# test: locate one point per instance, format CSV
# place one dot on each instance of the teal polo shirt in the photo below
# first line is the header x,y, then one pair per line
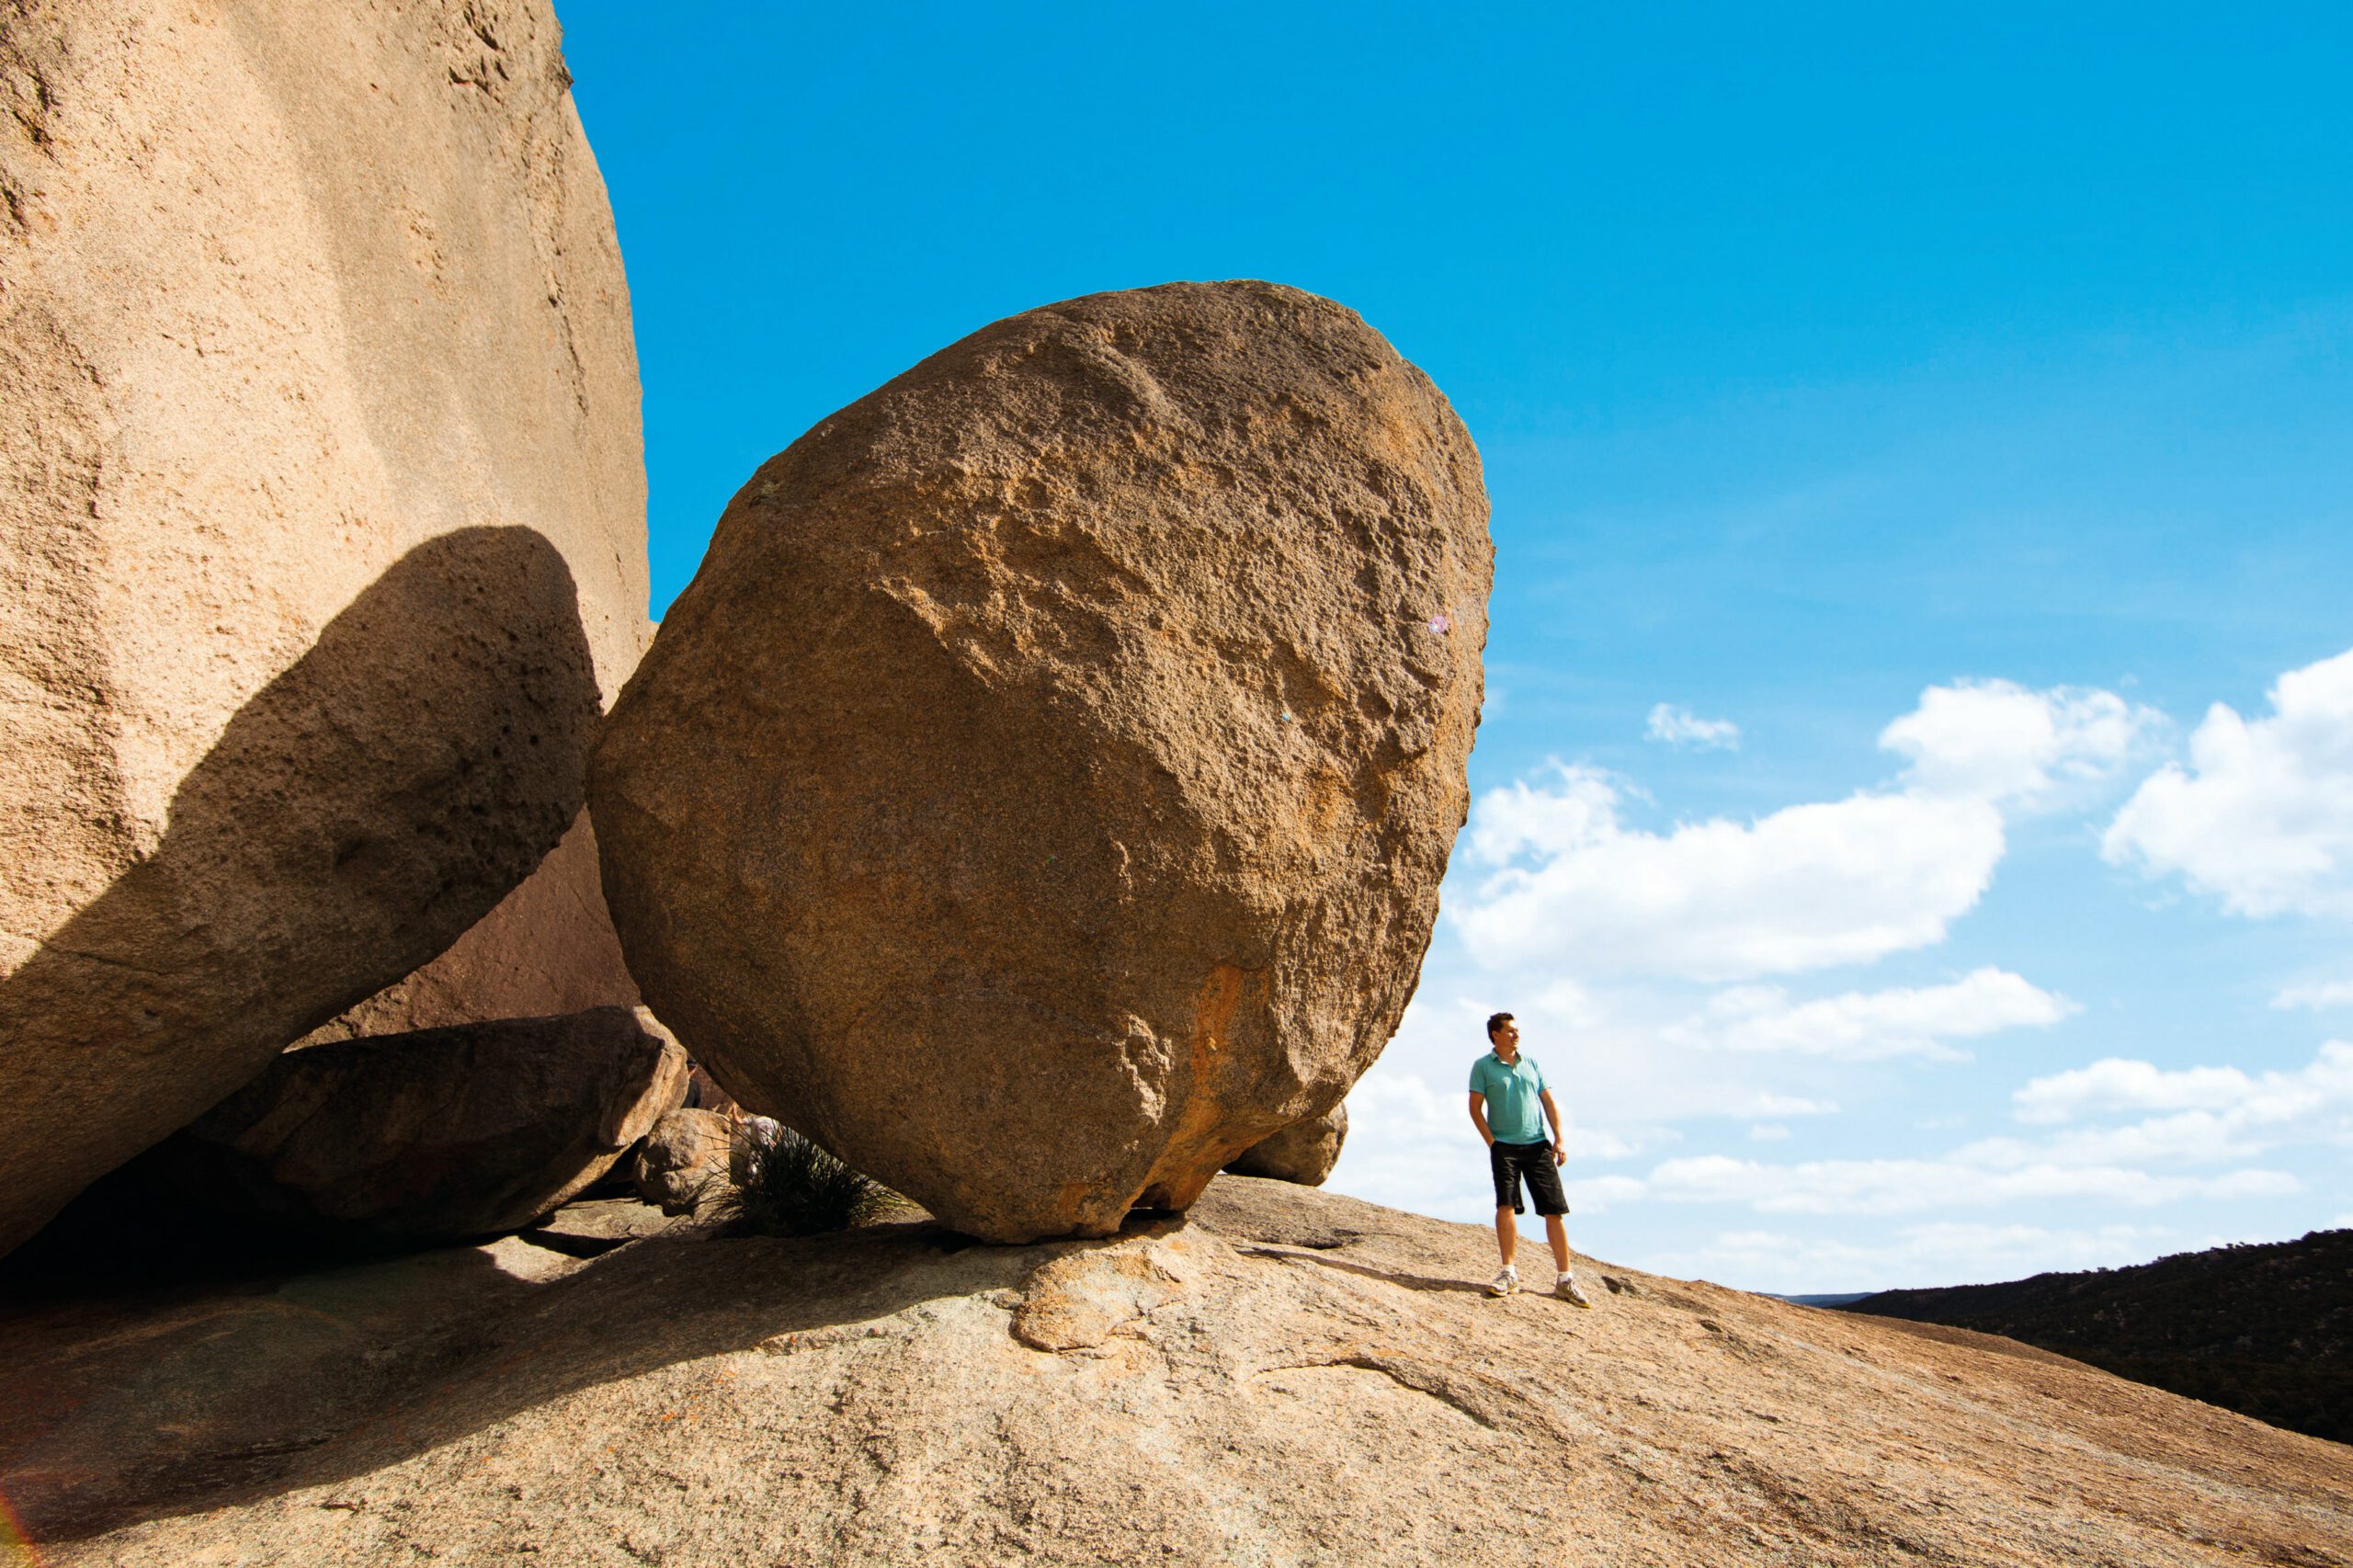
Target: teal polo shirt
x,y
1514,1113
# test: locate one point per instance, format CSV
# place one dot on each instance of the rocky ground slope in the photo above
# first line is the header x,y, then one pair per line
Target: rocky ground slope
x,y
1288,1377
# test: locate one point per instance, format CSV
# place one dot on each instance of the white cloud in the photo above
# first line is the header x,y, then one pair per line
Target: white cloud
x,y
1680,727
1632,1065
1599,1195
1996,740
1935,1253
1609,1072
1519,820
1411,1145
1788,1105
2172,1143
2262,817
1898,1186
2316,997
1862,1026
2113,1135
2116,1084
2210,1117
2234,1100
1806,887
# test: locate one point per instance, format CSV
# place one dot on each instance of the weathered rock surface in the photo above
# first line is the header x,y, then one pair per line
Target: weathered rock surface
x,y
549,947
1079,726
1291,1377
1304,1152
683,1158
323,528
589,1226
444,1133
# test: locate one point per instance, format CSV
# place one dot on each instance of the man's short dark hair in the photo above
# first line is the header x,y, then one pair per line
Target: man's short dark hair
x,y
1496,1021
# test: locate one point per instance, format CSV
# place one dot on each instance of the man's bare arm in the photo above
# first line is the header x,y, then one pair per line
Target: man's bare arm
x,y
1560,1133
1479,1117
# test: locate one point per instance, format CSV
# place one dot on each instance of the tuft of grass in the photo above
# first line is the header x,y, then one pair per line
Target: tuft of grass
x,y
792,1188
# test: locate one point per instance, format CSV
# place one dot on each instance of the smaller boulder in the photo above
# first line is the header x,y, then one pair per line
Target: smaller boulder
x,y
1304,1152
684,1159
438,1134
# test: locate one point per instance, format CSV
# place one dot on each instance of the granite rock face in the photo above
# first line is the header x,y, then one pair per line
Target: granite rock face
x,y
1304,1152
1079,726
322,527
442,1134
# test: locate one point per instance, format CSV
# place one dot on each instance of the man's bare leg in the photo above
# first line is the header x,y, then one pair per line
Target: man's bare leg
x,y
1558,1234
1507,1234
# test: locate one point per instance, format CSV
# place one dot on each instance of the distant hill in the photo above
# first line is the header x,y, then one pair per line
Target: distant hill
x,y
2266,1330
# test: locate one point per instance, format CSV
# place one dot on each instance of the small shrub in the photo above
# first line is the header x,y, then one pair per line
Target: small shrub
x,y
792,1188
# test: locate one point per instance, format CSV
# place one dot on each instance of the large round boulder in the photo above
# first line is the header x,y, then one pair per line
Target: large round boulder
x,y
1039,795
322,528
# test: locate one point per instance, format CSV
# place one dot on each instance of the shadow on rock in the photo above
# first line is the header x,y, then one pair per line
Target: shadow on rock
x,y
1386,1276
354,818
119,1411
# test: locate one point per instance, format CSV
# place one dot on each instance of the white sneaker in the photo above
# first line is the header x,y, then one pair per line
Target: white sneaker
x,y
1565,1287
1504,1282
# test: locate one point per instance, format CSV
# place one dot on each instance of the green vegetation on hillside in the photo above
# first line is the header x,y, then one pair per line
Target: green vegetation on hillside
x,y
2265,1330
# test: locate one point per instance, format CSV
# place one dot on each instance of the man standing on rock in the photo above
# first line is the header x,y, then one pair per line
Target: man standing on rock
x,y
1505,1090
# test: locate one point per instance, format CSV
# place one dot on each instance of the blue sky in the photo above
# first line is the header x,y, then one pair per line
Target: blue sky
x,y
1821,359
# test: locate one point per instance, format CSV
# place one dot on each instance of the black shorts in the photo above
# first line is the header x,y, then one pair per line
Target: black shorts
x,y
1512,1161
